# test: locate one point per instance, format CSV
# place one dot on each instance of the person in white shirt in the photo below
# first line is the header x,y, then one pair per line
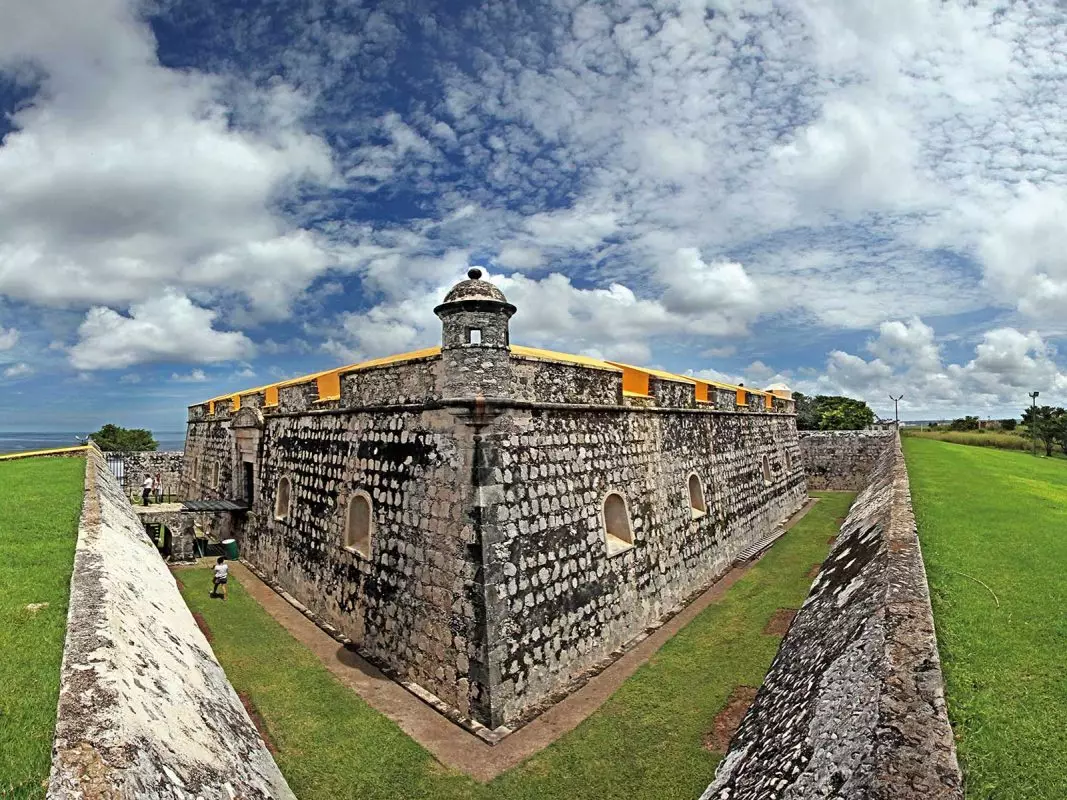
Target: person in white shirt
x,y
222,572
146,489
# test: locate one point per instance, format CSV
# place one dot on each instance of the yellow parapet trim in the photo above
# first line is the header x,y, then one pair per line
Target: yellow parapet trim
x,y
270,396
742,397
566,358
768,402
53,452
634,382
635,379
235,403
210,407
701,392
426,352
329,386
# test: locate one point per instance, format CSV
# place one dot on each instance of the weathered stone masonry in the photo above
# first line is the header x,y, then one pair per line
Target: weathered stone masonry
x,y
490,581
841,460
145,710
853,705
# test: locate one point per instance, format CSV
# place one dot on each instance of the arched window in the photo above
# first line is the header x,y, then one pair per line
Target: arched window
x,y
359,524
215,475
766,470
696,497
282,498
788,461
618,534
196,468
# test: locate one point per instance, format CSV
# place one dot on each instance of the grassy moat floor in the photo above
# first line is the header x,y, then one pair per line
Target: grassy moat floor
x,y
40,501
993,528
646,741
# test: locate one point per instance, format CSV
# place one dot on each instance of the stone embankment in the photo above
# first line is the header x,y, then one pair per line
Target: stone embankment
x,y
841,460
853,705
145,710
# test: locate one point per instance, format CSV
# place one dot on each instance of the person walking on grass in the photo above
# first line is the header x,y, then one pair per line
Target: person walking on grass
x,y
146,489
222,572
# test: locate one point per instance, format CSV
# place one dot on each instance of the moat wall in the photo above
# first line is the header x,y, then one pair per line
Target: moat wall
x,y
853,705
145,709
841,460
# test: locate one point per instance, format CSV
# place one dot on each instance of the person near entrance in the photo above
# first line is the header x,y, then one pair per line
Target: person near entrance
x,y
146,489
222,572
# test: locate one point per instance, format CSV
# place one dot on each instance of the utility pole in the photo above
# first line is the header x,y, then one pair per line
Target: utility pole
x,y
1033,420
896,409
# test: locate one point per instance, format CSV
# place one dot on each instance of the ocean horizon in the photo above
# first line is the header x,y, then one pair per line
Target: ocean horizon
x,y
20,441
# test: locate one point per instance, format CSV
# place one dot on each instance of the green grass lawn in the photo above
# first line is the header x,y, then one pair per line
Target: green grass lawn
x,y
40,500
1001,518
645,742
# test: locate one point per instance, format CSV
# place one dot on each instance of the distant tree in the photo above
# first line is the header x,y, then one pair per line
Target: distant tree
x,y
126,440
842,413
807,416
1049,425
1008,424
964,424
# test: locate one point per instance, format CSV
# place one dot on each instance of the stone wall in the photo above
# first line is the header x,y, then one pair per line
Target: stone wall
x,y
561,600
415,604
165,463
145,710
853,705
489,583
841,460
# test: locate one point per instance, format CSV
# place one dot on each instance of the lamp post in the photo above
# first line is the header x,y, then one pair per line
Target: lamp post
x,y
896,410
1033,421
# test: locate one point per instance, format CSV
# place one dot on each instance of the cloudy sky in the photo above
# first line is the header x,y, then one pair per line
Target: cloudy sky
x,y
858,198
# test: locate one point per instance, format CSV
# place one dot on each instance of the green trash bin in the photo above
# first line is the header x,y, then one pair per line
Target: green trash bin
x,y
230,547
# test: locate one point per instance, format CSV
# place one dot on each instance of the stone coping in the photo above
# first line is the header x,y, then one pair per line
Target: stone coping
x,y
145,710
853,705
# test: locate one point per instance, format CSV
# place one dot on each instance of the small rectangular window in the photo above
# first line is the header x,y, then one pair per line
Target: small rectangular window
x,y
474,336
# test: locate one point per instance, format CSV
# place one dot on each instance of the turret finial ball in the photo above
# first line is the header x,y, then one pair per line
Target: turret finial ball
x,y
474,273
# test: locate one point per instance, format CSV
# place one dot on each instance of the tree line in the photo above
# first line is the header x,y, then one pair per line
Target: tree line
x,y
831,413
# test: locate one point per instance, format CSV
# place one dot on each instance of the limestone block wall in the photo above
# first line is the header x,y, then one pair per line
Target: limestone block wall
x,y
145,710
543,381
165,463
415,604
853,705
841,460
560,601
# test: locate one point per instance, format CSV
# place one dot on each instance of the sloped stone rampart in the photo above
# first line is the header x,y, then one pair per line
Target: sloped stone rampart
x,y
853,705
145,710
841,460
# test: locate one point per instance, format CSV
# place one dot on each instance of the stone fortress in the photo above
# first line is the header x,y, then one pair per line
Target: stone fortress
x,y
488,521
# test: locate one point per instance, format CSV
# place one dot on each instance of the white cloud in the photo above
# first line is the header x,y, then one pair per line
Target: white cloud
x,y
122,174
20,370
165,329
196,376
1007,364
8,338
1024,251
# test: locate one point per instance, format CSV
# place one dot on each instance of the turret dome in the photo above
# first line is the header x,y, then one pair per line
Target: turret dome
x,y
474,288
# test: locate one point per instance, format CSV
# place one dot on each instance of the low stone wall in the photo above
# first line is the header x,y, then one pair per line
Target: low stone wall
x,y
853,705
145,710
167,464
841,460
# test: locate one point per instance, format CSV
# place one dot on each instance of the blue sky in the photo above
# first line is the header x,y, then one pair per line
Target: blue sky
x,y
857,198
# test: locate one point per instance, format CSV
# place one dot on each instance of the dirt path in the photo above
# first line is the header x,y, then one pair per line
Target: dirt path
x,y
449,743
